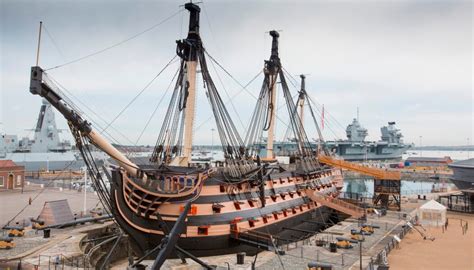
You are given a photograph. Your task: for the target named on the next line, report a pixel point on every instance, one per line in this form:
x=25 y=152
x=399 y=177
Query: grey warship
x=46 y=151
x=355 y=148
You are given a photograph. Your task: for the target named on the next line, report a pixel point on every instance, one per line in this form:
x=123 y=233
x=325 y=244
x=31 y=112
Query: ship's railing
x=170 y=184
x=265 y=240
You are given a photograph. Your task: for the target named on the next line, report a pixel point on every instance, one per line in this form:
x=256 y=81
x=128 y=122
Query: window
x=18 y=180
x=2 y=184
x=203 y=230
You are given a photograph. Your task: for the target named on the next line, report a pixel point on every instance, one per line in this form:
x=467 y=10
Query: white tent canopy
x=432 y=213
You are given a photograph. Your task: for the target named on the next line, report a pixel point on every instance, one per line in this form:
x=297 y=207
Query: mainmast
x=192 y=43
x=272 y=68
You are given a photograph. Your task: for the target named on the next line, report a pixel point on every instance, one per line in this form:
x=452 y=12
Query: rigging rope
x=240 y=84
x=139 y=93
x=156 y=108
x=329 y=119
x=228 y=96
x=118 y=43
x=39 y=193
x=231 y=98
x=63 y=88
x=106 y=133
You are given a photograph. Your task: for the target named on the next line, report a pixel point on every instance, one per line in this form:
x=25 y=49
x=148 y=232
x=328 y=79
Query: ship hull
x=360 y=152
x=52 y=161
x=463 y=174
x=293 y=212
x=347 y=150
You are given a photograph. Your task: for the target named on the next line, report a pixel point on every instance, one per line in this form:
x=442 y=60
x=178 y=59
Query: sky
x=403 y=61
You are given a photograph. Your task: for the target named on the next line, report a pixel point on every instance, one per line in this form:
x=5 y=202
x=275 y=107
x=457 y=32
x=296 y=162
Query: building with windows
x=12 y=176
x=428 y=162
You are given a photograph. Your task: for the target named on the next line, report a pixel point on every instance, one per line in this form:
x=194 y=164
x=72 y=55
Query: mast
x=39 y=44
x=272 y=67
x=191 y=58
x=300 y=104
x=302 y=97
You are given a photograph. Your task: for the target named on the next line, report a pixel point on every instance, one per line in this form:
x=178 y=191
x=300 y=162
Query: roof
x=55 y=212
x=468 y=163
x=429 y=159
x=7 y=163
x=433 y=205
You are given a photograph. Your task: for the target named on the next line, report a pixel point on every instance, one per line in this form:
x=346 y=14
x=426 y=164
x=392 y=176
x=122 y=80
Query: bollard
x=46 y=233
x=317 y=255
x=301 y=252
x=342 y=258
x=240 y=258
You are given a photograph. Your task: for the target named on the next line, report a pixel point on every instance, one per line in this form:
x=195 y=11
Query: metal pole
x=212 y=143
x=360 y=254
x=468 y=148
x=39 y=43
x=85 y=191
x=421 y=145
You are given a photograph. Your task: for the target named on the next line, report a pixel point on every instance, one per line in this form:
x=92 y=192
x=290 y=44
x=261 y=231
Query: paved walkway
x=13 y=201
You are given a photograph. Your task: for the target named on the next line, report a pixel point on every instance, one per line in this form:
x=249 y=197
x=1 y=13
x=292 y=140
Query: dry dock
x=451 y=249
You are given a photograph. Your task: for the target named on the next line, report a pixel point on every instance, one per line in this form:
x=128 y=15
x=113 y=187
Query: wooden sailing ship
x=218 y=208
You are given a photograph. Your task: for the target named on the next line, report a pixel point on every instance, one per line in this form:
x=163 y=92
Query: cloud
x=403 y=61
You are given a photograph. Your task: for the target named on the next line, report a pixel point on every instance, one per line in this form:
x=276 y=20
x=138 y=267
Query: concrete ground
x=13 y=201
x=298 y=255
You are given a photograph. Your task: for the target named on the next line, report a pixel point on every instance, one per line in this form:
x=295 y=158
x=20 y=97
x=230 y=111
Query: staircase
x=336 y=204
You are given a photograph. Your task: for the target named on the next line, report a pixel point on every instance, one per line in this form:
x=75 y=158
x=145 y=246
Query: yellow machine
x=345 y=242
x=357 y=237
x=15 y=231
x=368 y=229
x=6 y=243
x=319 y=266
x=37 y=224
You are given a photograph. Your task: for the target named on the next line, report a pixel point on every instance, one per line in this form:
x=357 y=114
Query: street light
x=212 y=143
x=421 y=146
x=468 y=148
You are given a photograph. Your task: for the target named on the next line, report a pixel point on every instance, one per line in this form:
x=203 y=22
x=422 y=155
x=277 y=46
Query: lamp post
x=85 y=192
x=212 y=143
x=421 y=146
x=468 y=148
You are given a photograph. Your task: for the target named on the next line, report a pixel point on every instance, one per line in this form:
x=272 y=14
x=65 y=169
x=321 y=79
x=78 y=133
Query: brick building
x=428 y=161
x=12 y=176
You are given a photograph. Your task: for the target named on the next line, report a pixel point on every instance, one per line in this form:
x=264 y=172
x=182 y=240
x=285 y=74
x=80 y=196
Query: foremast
x=271 y=70
x=190 y=56
x=174 y=143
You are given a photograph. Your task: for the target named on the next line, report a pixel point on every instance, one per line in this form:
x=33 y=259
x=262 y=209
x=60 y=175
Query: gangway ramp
x=382 y=174
x=336 y=204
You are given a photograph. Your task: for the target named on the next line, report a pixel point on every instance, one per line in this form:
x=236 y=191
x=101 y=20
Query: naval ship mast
x=264 y=115
x=174 y=143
